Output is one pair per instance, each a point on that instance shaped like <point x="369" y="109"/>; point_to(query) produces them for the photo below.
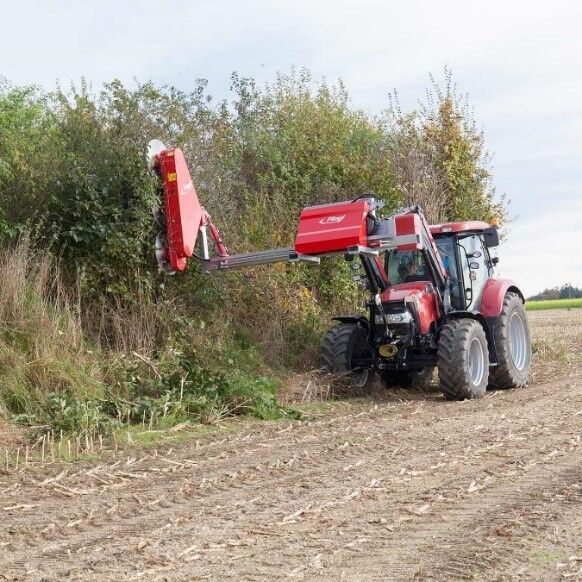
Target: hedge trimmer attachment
<point x="350" y="228"/>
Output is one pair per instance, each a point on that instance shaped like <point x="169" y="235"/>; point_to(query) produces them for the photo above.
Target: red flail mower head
<point x="181" y="214"/>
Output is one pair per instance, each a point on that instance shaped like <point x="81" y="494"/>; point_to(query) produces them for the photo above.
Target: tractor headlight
<point x="404" y="317"/>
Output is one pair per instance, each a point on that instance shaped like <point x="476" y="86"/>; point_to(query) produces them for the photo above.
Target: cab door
<point x="474" y="260"/>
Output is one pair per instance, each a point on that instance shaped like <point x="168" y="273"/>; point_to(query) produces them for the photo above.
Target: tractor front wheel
<point x="463" y="359"/>
<point x="347" y="351"/>
<point x="513" y="343"/>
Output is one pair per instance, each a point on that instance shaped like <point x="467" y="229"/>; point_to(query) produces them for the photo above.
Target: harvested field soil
<point x="399" y="485"/>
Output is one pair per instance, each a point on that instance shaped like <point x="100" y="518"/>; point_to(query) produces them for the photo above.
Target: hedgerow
<point x="73" y="179"/>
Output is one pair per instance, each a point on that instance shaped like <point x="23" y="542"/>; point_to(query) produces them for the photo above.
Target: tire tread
<point x="452" y="360"/>
<point x="505" y="375"/>
<point x="337" y="345"/>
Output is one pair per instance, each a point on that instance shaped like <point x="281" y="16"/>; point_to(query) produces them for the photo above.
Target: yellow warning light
<point x="495" y="221"/>
<point x="172" y="177"/>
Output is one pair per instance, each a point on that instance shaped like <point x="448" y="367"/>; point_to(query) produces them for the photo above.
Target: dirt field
<point x="400" y="486"/>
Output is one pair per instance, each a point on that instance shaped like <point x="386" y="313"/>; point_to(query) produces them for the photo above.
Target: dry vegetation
<point x="77" y="372"/>
<point x="401" y="485"/>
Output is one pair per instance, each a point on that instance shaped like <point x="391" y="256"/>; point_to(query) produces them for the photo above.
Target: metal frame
<point x="286" y="254"/>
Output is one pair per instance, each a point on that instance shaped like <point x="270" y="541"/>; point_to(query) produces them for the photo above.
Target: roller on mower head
<point x="434" y="298"/>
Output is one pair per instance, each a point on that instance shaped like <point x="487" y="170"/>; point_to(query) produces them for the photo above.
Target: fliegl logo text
<point x="332" y="219"/>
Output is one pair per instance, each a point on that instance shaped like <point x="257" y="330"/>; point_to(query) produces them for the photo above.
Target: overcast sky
<point x="519" y="61"/>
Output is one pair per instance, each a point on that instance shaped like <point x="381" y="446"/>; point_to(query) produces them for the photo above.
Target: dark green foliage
<point x="27" y="132"/>
<point x="72" y="166"/>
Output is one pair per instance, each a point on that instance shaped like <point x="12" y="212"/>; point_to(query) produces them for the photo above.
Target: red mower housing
<point x="182" y="209"/>
<point x="332" y="228"/>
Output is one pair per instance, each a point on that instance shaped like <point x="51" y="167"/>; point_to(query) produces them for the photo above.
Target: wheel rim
<point x="360" y="377"/>
<point x="476" y="362"/>
<point x="517" y="341"/>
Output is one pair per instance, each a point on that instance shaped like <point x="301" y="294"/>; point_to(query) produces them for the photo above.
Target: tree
<point x="439" y="156"/>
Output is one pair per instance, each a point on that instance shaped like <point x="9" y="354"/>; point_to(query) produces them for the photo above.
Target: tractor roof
<point x="458" y="227"/>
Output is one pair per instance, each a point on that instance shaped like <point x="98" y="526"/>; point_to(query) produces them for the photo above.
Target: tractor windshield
<point x="406" y="267"/>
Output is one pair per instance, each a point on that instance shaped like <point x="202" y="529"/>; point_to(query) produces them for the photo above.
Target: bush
<point x="439" y="157"/>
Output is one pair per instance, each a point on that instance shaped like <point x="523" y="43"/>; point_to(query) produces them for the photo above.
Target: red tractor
<point x="434" y="300"/>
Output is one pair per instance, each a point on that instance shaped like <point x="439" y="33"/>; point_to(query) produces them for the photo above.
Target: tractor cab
<point x="405" y="267"/>
<point x="464" y="248"/>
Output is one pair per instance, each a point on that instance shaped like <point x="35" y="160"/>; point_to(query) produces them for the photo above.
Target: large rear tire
<point x="463" y="359"/>
<point x="345" y="351"/>
<point x="513" y="343"/>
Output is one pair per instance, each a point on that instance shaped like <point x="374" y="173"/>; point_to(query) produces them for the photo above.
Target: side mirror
<point x="491" y="237"/>
<point x="494" y="260"/>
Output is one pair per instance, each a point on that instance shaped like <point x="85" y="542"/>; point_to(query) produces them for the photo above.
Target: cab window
<point x="405" y="267"/>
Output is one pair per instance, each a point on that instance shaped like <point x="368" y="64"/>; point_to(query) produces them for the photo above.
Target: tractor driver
<point x="406" y="266"/>
<point x="413" y="268"/>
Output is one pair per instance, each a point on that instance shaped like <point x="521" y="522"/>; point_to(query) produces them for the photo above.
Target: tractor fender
<point x="360" y="319"/>
<point x="488" y="324"/>
<point x="493" y="295"/>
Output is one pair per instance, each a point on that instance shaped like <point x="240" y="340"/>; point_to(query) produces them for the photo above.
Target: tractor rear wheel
<point x="347" y="351"/>
<point x="463" y="359"/>
<point x="513" y="343"/>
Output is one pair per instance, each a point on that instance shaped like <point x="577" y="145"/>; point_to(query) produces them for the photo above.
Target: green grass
<point x="554" y="304"/>
<point x="170" y="431"/>
<point x="549" y="556"/>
